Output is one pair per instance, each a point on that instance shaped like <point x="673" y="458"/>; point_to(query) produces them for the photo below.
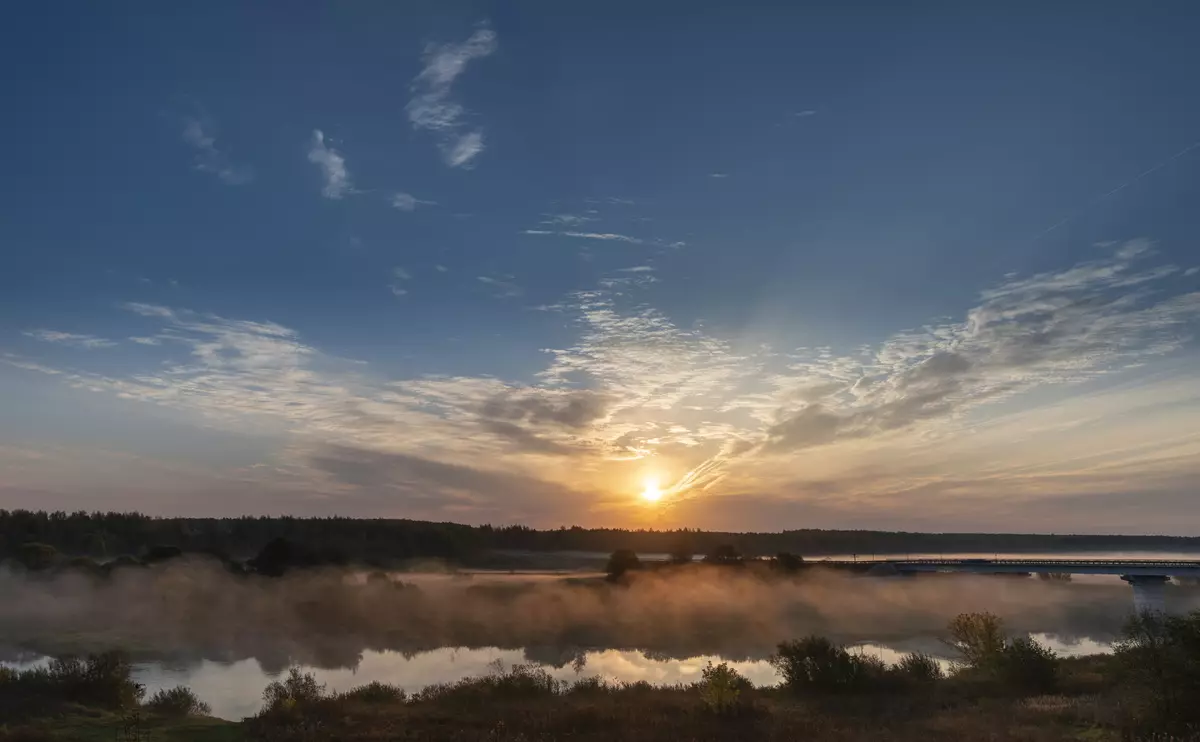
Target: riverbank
<point x="1003" y="688"/>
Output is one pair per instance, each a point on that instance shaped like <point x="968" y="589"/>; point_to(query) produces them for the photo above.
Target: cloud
<point x="397" y="291"/>
<point x="636" y="269"/>
<point x="600" y="236"/>
<point x="440" y="268"/>
<point x="332" y="166"/>
<point x="718" y="175"/>
<point x="197" y="134"/>
<point x="805" y="113"/>
<point x="502" y="288"/>
<point x="1049" y="329"/>
<point x="567" y="220"/>
<point x="145" y="340"/>
<point x="631" y="391"/>
<point x="75" y="340"/>
<point x="407" y="202"/>
<point x="1191" y="271"/>
<point x="401" y="273"/>
<point x="432" y="107"/>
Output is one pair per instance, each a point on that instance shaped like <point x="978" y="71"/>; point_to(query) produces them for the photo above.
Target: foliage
<point x="1027" y="667"/>
<point x="724" y="554"/>
<point x="786" y="561"/>
<point x="297" y="689"/>
<point x="36" y="557"/>
<point x="1158" y="665"/>
<point x="374" y="692"/>
<point x="919" y="668"/>
<point x="816" y="664"/>
<point x="979" y="638"/>
<point x="368" y="540"/>
<point x="622" y="561"/>
<point x="721" y="688"/>
<point x="178" y="701"/>
<point x="101" y="681"/>
<point x="1021" y="664"/>
<point x="681" y="551"/>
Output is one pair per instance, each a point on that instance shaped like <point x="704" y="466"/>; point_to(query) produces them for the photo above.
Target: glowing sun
<point x="652" y="493"/>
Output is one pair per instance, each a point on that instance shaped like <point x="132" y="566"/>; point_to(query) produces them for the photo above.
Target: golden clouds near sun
<point x="651" y="493"/>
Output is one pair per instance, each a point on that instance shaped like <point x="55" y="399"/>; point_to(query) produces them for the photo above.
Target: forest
<point x="388" y="541"/>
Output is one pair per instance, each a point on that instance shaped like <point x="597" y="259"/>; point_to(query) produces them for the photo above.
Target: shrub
<point x="724" y="554"/>
<point x="815" y="663"/>
<point x="297" y="689"/>
<point x="622" y="561"/>
<point x="979" y="638"/>
<point x="721" y="688"/>
<point x="36" y="557"/>
<point x="374" y="692"/>
<point x="1158" y="669"/>
<point x="178" y="701"/>
<point x="100" y="681"/>
<point x="919" y="668"/>
<point x="1027" y="667"/>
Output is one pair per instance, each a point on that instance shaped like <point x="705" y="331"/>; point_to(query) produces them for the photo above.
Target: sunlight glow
<point x="651" y="493"/>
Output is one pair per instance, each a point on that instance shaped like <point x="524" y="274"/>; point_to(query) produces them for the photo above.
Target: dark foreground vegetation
<point x="109" y="535"/>
<point x="1004" y="688"/>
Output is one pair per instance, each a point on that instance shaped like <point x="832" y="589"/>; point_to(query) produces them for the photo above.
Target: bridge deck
<point x="1131" y="567"/>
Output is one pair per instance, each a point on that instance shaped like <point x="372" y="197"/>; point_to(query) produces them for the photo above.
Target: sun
<point x="651" y="493"/>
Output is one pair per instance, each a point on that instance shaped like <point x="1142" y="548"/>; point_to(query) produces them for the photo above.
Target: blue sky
<point x="876" y="266"/>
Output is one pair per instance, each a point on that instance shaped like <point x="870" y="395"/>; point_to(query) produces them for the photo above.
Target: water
<point x="229" y="672"/>
<point x="234" y="689"/>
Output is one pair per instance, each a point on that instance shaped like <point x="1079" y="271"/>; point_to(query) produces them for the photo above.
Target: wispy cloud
<point x="708" y="413"/>
<point x="332" y="165"/>
<point x="145" y="340"/>
<point x="440" y="268"/>
<point x="407" y="202"/>
<point x="433" y="108"/>
<point x="75" y="340"/>
<point x="567" y="220"/>
<point x="601" y="236"/>
<point x="197" y="133"/>
<point x="401" y="273"/>
<point x="636" y="269"/>
<point x="1191" y="272"/>
<point x="503" y="287"/>
<point x="718" y="175"/>
<point x="805" y="113"/>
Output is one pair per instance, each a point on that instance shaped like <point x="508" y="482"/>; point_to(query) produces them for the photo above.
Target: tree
<point x="622" y="561"/>
<point x="36" y="557"/>
<point x="681" y="552"/>
<point x="788" y="562"/>
<point x="979" y="638"/>
<point x="724" y="554"/>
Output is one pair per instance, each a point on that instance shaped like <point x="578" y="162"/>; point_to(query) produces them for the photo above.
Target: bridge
<point x="1146" y="576"/>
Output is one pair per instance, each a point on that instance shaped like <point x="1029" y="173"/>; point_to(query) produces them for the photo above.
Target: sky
<point x="738" y="266"/>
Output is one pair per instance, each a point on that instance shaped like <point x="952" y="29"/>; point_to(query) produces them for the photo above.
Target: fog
<point x="190" y="610"/>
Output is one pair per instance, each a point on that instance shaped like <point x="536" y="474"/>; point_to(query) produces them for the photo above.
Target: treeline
<point x="108" y="535"/>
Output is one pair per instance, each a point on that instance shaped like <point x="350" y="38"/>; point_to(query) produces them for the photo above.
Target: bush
<point x="1158" y="669"/>
<point x="721" y="688"/>
<point x="1027" y="667"/>
<point x="815" y="663"/>
<point x="919" y="668"/>
<point x="622" y="561"/>
<point x="374" y="692"/>
<point x="724" y="554"/>
<point x="101" y="681"/>
<point x="979" y="638"/>
<point x="297" y="689"/>
<point x="36" y="557"/>
<point x="178" y="701"/>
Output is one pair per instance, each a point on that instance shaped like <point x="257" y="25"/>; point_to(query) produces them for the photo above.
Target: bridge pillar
<point x="1149" y="594"/>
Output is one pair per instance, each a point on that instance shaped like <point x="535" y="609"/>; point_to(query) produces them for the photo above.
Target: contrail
<point x="1118" y="189"/>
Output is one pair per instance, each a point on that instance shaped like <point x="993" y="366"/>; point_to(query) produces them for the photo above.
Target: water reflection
<point x="234" y="689"/>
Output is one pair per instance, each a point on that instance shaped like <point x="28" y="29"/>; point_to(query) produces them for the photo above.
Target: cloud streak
<point x="433" y="107"/>
<point x="72" y="339"/>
